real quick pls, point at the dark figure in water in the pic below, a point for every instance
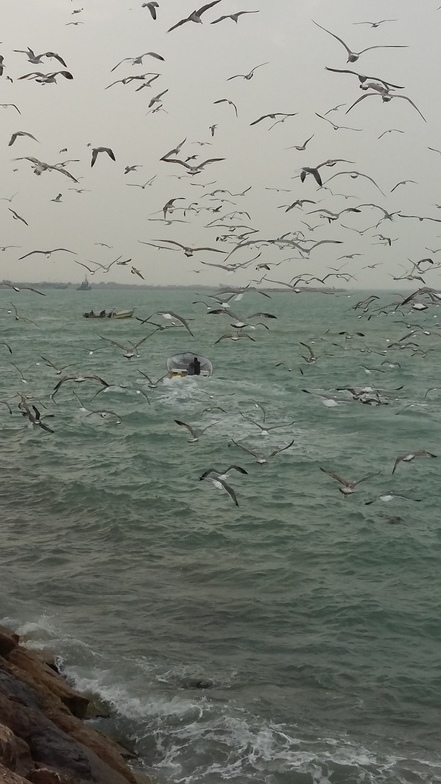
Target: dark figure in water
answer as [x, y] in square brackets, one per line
[194, 368]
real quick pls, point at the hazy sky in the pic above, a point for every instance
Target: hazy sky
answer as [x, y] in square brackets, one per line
[198, 59]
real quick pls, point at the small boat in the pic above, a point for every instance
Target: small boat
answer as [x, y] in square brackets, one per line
[114, 314]
[181, 365]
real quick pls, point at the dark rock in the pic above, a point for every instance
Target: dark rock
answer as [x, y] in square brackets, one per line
[8, 641]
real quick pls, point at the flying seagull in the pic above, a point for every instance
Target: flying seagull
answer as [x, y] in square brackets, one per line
[348, 486]
[225, 100]
[16, 216]
[195, 16]
[97, 150]
[41, 166]
[152, 6]
[137, 60]
[46, 253]
[353, 56]
[411, 456]
[20, 133]
[220, 483]
[386, 98]
[259, 457]
[234, 17]
[79, 378]
[195, 434]
[170, 316]
[247, 76]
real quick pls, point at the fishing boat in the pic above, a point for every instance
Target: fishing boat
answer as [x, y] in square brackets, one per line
[114, 314]
[85, 285]
[181, 365]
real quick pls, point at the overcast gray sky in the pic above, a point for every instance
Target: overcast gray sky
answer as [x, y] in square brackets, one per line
[198, 59]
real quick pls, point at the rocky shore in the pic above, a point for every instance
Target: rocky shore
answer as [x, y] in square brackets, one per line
[44, 734]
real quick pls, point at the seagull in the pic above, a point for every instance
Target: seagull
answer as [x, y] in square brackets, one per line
[137, 60]
[188, 251]
[225, 100]
[353, 56]
[16, 216]
[58, 371]
[195, 16]
[247, 76]
[300, 147]
[46, 253]
[153, 384]
[97, 150]
[222, 474]
[137, 185]
[390, 130]
[49, 78]
[235, 336]
[348, 487]
[314, 170]
[129, 351]
[136, 271]
[195, 434]
[362, 78]
[152, 6]
[376, 24]
[35, 59]
[411, 456]
[264, 429]
[258, 457]
[337, 127]
[79, 378]
[389, 497]
[170, 316]
[41, 166]
[386, 98]
[273, 116]
[312, 357]
[5, 106]
[20, 133]
[234, 17]
[220, 483]
[354, 174]
[402, 182]
[134, 167]
[33, 414]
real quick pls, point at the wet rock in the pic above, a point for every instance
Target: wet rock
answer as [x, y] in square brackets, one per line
[8, 641]
[44, 676]
[198, 683]
[50, 776]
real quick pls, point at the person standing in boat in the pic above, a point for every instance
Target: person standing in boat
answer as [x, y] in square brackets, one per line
[194, 368]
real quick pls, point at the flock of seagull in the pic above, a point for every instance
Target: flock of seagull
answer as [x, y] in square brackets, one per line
[231, 229]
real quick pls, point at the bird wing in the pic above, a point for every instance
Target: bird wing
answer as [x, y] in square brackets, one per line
[189, 427]
[280, 449]
[411, 102]
[204, 8]
[243, 447]
[217, 481]
[334, 36]
[335, 476]
[115, 342]
[361, 98]
[308, 347]
[264, 117]
[369, 476]
[56, 57]
[183, 322]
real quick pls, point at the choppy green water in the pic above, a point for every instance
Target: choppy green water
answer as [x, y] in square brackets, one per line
[315, 616]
